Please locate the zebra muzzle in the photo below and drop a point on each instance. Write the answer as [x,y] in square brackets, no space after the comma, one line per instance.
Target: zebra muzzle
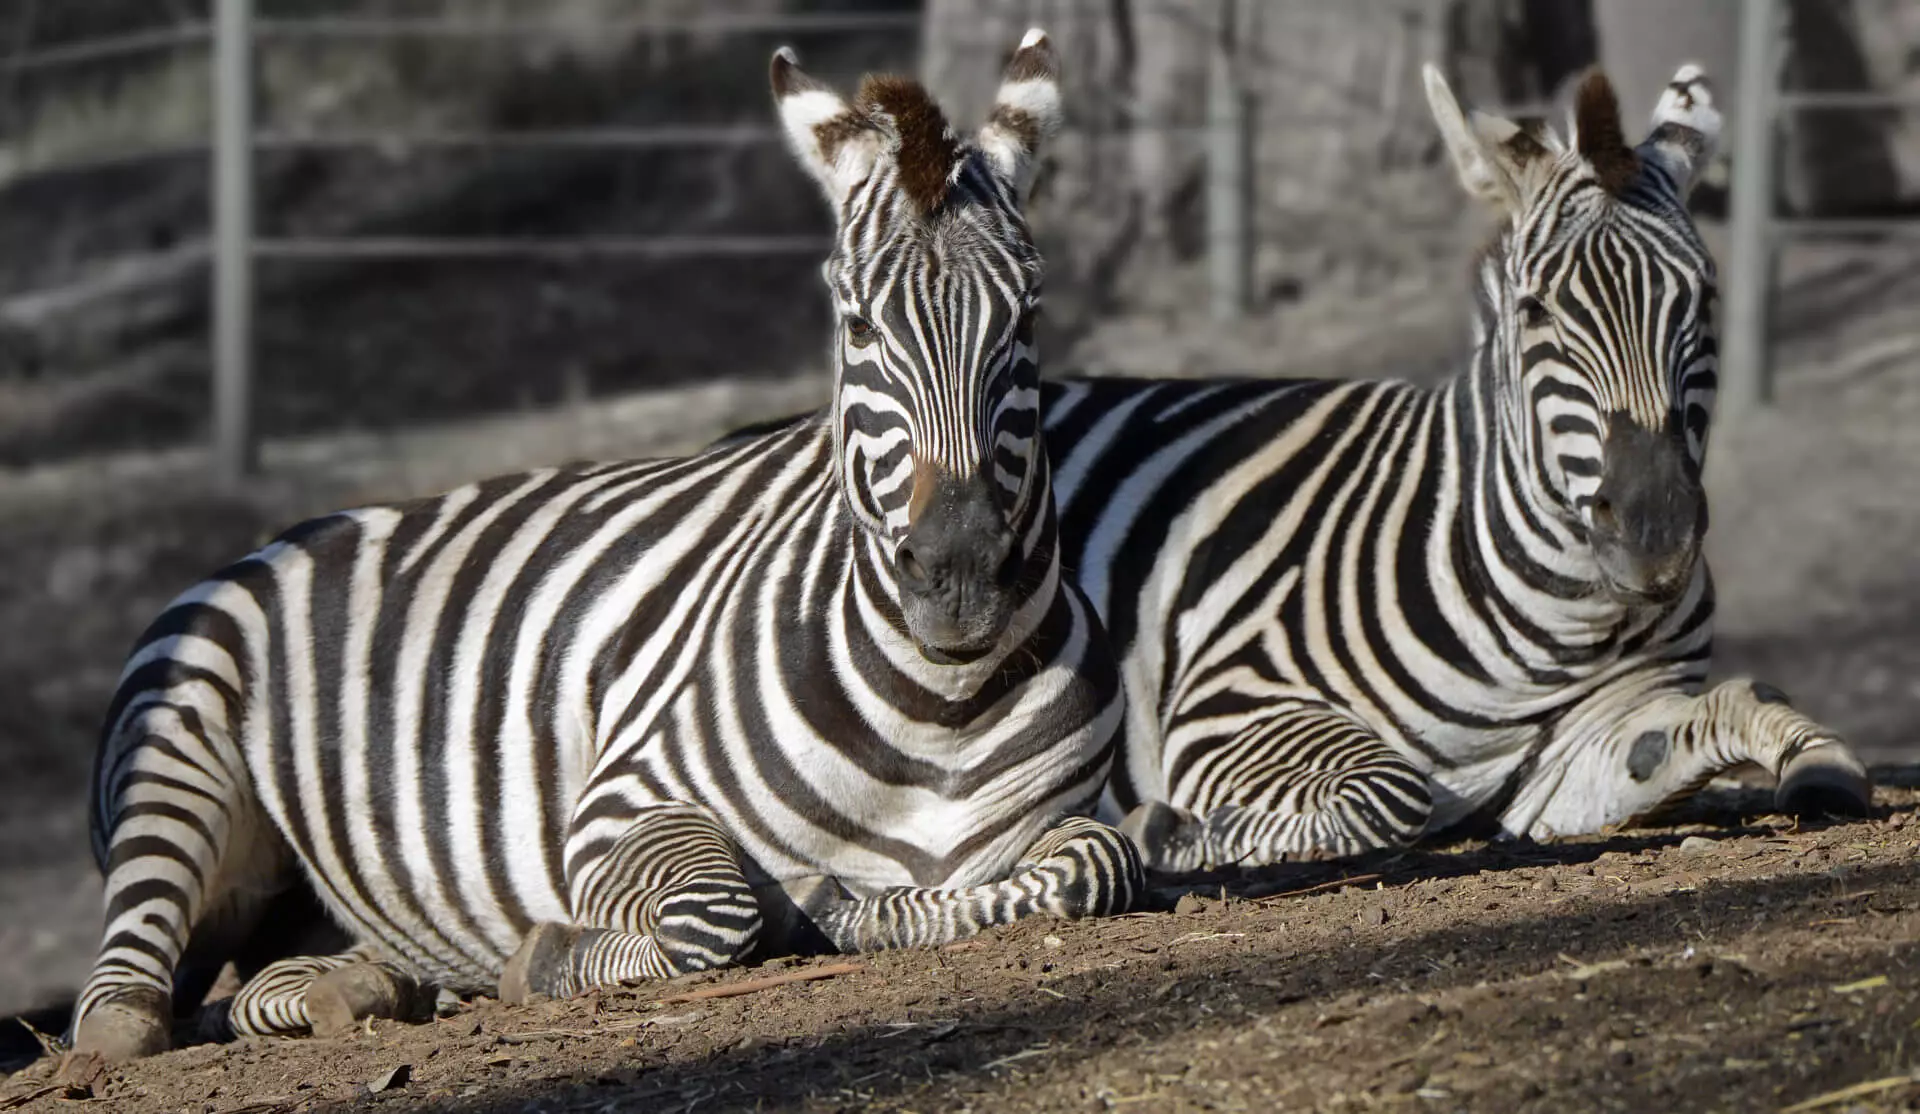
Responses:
[1648,519]
[957,569]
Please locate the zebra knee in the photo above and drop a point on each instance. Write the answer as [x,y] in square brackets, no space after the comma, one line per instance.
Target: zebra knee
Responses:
[272,1003]
[699,930]
[1385,808]
[1346,813]
[1088,869]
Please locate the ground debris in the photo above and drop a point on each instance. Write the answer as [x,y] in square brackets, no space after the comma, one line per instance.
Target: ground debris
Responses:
[1857,1091]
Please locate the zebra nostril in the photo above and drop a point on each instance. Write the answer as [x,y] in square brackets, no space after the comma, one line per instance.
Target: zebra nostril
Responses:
[911,570]
[1603,515]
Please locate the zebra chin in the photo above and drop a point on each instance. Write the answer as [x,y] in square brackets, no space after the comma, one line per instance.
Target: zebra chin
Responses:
[947,637]
[1636,580]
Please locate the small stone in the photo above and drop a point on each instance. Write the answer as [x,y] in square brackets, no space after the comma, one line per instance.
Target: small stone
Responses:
[1190,903]
[1698,845]
[1053,942]
[1374,915]
[392,1079]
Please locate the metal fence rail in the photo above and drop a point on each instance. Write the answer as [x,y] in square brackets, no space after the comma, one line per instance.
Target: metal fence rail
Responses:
[235,32]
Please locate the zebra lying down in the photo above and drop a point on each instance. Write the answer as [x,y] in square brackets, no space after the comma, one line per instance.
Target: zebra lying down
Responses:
[1350,613]
[607,722]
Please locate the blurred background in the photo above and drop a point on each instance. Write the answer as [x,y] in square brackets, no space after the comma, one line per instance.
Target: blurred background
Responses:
[461,238]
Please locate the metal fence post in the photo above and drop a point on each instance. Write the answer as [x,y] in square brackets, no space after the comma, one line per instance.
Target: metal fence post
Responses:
[233,437]
[1745,377]
[1229,176]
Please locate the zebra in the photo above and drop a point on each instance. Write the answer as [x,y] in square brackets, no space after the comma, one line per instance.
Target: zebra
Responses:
[625,721]
[1353,613]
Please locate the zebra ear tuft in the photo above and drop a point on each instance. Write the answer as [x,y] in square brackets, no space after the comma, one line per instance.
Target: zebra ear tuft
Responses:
[833,140]
[1686,129]
[1025,112]
[1597,135]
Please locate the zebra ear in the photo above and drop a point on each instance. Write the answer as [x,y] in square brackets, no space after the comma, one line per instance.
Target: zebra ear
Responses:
[1026,111]
[835,141]
[1499,161]
[1686,129]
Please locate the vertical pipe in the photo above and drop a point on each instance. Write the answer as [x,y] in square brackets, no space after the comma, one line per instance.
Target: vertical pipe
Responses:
[233,443]
[1229,177]
[1745,378]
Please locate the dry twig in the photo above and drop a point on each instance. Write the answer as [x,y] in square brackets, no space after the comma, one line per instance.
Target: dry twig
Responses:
[754,986]
[1337,883]
[1848,1094]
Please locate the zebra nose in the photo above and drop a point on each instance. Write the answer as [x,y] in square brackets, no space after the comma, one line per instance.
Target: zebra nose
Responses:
[1649,514]
[1650,498]
[948,562]
[958,547]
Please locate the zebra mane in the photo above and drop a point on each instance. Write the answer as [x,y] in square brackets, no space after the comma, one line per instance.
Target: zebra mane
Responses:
[1597,134]
[927,150]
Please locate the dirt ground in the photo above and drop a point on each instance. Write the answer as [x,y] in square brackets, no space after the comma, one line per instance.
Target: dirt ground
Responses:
[1733,962]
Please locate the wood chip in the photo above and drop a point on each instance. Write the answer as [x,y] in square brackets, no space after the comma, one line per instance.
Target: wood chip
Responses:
[392,1079]
[1582,972]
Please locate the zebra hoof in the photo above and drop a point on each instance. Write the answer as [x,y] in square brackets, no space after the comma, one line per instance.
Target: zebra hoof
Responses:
[129,1026]
[536,968]
[339,999]
[1171,840]
[1824,781]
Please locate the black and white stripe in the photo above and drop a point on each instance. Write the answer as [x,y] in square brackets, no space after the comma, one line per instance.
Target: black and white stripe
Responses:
[1353,612]
[590,723]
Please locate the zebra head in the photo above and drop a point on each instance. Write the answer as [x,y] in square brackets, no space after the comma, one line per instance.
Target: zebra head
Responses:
[935,284]
[1598,320]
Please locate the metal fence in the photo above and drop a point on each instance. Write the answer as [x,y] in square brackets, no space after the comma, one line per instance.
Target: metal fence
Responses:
[236,31]
[1756,232]
[236,245]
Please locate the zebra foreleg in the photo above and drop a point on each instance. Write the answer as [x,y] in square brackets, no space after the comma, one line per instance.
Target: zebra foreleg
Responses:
[1611,766]
[1079,868]
[667,898]
[324,994]
[1293,780]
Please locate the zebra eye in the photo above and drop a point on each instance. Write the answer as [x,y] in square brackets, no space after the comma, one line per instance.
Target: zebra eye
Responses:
[861,331]
[1533,313]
